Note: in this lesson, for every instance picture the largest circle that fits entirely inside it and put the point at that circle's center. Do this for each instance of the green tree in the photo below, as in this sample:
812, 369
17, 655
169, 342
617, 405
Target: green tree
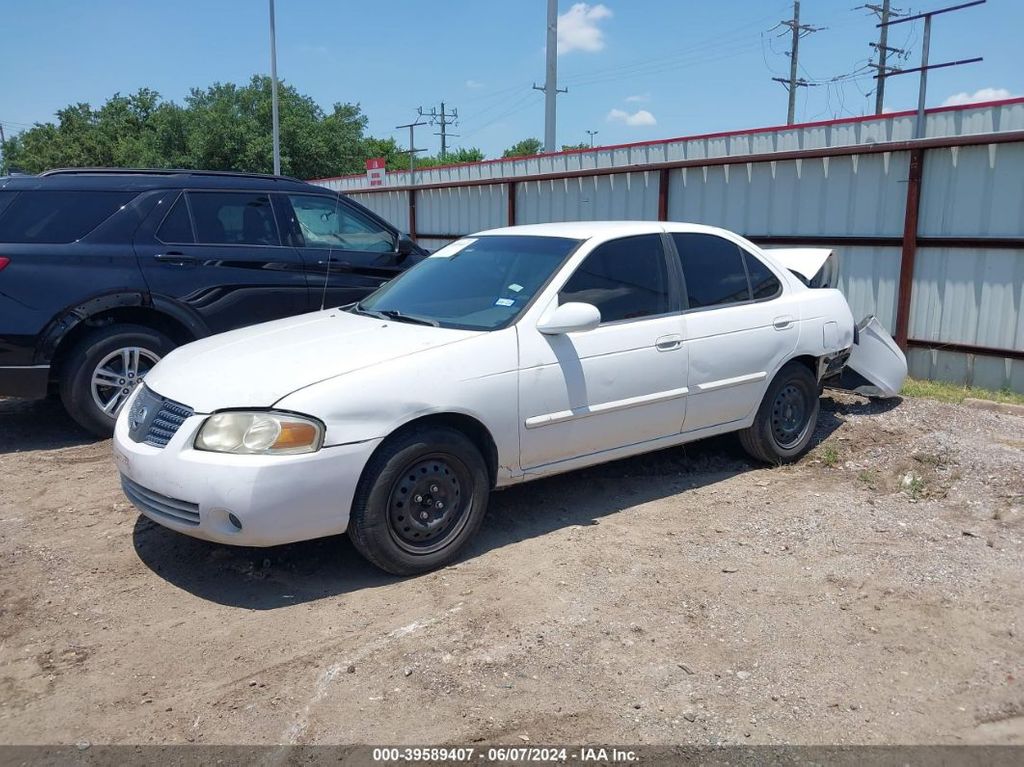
573, 147
221, 127
524, 148
452, 157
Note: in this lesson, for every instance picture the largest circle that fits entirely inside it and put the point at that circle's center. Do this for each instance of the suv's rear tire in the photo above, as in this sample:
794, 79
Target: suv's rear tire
96, 374
785, 421
396, 522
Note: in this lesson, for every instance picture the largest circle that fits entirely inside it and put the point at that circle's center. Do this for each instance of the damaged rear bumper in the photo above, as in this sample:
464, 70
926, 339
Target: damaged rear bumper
876, 366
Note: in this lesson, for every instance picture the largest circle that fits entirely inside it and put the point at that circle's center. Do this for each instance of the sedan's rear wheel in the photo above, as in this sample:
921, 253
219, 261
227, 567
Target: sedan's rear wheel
421, 498
785, 421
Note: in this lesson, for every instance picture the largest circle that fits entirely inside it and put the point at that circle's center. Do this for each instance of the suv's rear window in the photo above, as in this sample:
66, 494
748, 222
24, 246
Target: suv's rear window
53, 217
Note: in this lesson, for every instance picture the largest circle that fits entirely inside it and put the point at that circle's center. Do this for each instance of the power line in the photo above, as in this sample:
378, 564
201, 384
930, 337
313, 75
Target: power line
517, 106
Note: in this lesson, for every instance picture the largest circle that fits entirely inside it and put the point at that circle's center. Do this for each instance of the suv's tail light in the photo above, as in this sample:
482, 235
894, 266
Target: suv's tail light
4, 261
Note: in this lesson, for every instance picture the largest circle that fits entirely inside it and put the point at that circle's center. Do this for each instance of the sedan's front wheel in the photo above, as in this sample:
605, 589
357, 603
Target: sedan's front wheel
421, 498
785, 421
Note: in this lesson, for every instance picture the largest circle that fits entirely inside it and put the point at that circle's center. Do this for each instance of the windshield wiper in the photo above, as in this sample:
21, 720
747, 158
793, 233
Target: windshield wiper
394, 314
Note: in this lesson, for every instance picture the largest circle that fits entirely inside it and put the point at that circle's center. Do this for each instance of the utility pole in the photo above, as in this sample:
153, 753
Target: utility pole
550, 88
925, 66
442, 119
883, 11
592, 133
797, 30
411, 151
273, 93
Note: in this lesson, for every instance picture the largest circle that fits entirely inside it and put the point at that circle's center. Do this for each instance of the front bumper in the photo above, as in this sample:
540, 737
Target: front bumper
28, 381
276, 499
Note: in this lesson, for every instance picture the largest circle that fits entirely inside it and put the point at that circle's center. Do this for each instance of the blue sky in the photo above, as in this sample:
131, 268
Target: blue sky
635, 69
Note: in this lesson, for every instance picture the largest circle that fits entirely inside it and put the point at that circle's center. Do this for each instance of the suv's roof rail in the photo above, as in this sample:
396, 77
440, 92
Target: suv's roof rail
165, 172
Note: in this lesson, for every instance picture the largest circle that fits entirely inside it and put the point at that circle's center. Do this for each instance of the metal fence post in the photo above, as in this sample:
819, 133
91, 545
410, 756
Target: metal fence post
663, 194
909, 254
510, 193
412, 212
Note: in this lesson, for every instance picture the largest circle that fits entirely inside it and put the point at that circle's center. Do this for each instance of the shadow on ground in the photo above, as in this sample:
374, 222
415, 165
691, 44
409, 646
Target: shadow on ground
265, 579
38, 425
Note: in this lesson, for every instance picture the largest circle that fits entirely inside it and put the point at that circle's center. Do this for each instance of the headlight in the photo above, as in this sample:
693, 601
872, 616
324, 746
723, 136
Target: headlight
260, 434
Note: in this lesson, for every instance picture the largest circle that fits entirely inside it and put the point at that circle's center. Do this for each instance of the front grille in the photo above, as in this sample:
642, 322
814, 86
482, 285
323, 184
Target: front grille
153, 419
159, 505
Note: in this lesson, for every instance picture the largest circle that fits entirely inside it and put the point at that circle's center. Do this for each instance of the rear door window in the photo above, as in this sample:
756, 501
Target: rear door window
713, 270
177, 226
763, 282
233, 218
58, 216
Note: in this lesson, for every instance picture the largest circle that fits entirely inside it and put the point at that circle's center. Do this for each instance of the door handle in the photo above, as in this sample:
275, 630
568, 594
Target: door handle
335, 263
669, 342
176, 259
783, 322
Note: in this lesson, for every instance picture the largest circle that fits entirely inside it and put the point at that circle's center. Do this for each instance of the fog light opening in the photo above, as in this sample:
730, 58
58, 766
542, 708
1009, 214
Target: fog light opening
235, 521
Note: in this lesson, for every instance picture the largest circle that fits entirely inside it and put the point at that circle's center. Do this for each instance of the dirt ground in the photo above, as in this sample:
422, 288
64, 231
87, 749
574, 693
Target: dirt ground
871, 593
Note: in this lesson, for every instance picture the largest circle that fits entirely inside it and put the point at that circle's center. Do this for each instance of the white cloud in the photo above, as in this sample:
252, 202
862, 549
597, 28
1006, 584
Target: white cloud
578, 28
984, 94
474, 84
640, 98
639, 118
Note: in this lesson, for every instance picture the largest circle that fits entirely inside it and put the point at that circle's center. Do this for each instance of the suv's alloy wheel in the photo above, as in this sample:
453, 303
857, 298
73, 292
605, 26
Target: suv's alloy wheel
102, 370
117, 375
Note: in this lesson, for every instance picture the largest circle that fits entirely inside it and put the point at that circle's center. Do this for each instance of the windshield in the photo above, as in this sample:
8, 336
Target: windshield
480, 283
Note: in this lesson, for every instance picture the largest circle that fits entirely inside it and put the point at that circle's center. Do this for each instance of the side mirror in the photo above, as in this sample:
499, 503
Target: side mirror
405, 246
571, 317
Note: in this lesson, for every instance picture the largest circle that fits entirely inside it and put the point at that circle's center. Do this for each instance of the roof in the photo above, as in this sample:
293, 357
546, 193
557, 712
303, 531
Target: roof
132, 179
584, 230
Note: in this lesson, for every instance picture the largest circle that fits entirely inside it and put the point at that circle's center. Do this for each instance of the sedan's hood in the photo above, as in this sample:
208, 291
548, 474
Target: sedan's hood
258, 365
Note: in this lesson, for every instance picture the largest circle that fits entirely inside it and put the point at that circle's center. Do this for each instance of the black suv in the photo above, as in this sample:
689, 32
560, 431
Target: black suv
102, 272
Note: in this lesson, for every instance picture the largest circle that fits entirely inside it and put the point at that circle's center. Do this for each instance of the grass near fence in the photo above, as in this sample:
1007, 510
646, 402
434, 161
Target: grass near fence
948, 392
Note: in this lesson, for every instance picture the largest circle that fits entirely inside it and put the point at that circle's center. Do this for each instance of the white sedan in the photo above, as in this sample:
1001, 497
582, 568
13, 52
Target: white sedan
506, 356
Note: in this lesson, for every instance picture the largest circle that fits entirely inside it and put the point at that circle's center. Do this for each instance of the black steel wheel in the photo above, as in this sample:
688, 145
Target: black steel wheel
789, 415
784, 425
422, 496
427, 507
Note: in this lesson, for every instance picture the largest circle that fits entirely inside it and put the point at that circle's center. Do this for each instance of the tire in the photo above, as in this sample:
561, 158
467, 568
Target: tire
101, 355
409, 474
785, 421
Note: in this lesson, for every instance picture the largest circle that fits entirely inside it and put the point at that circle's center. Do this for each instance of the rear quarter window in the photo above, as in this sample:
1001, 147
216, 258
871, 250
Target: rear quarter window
57, 216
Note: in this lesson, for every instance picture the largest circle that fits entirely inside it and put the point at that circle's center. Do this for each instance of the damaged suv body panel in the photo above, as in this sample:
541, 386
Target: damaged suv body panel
877, 366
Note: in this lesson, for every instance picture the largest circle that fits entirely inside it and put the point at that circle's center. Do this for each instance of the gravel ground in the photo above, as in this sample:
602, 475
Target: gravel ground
871, 593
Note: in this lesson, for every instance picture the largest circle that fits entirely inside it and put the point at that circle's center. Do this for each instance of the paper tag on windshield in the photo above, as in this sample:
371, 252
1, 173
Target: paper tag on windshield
515, 287
452, 248
504, 302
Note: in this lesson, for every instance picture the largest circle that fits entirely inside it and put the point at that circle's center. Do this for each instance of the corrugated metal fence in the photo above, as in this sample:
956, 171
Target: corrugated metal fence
931, 231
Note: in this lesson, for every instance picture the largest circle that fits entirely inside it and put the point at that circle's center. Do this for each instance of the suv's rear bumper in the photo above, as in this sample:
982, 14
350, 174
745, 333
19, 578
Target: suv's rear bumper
28, 381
